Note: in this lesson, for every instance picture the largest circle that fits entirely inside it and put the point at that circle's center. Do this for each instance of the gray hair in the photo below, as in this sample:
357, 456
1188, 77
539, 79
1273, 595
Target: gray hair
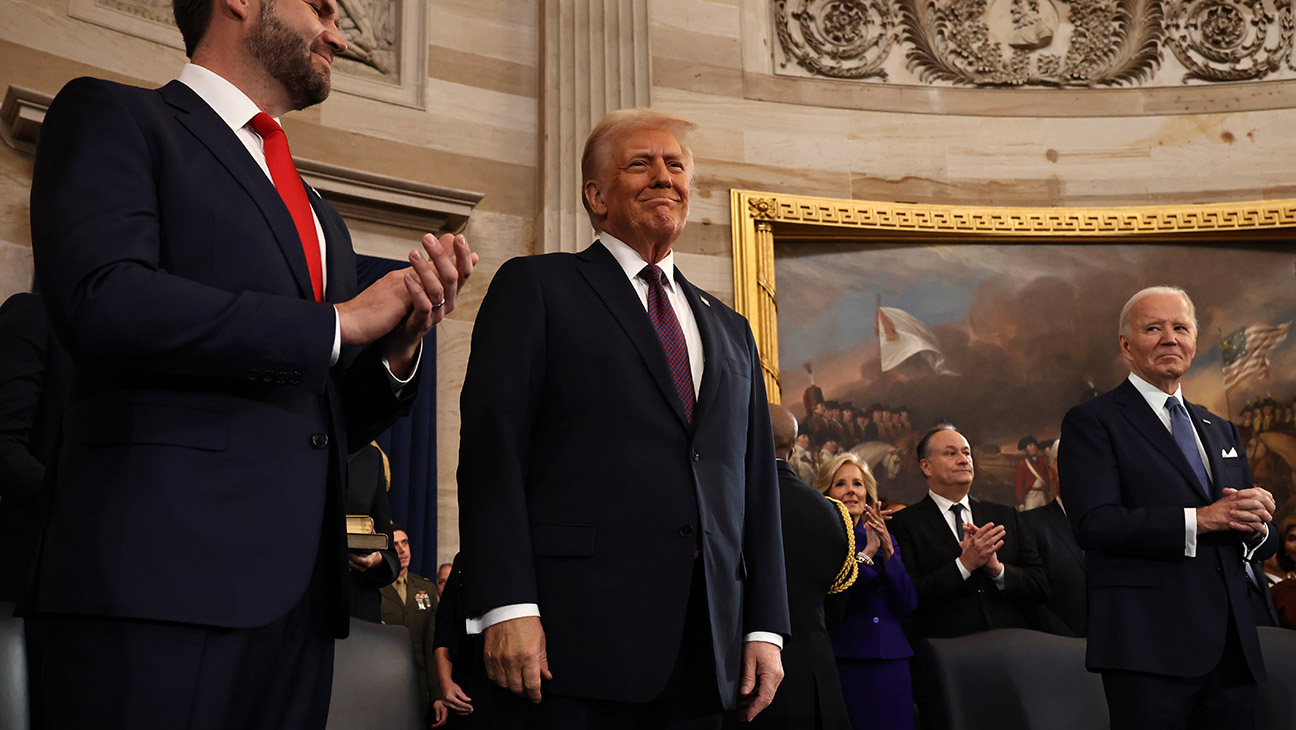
1124, 328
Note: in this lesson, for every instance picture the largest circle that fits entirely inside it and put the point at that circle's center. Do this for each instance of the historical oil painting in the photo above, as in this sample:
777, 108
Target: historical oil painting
878, 342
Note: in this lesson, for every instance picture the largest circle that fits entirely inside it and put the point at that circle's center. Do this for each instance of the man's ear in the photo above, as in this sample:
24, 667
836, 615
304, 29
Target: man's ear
594, 198
240, 9
926, 469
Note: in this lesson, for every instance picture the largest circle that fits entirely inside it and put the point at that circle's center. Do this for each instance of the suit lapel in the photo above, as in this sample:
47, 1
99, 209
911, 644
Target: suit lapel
1134, 408
608, 280
709, 327
211, 131
339, 259
1211, 443
937, 524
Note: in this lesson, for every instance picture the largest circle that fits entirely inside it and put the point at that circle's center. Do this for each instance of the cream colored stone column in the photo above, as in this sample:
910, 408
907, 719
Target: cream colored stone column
595, 60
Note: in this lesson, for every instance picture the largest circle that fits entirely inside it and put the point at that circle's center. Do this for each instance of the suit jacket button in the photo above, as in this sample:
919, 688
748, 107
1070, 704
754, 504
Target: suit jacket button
686, 530
695, 455
254, 374
875, 619
319, 440
295, 377
281, 378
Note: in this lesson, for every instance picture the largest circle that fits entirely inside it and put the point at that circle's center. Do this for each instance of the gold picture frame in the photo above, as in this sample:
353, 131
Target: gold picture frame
761, 218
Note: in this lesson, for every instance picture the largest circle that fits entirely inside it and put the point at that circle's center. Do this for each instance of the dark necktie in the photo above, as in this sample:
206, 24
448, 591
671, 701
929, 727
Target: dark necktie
957, 509
289, 185
1182, 429
668, 329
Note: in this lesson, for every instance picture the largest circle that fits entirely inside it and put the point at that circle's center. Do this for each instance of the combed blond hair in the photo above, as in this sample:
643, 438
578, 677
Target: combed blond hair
595, 158
828, 472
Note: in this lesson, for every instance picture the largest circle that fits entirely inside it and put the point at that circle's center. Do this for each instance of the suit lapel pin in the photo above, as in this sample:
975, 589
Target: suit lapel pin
704, 300
1206, 421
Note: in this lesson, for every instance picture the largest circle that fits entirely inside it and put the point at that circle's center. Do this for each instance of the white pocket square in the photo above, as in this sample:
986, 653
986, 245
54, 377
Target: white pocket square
1230, 454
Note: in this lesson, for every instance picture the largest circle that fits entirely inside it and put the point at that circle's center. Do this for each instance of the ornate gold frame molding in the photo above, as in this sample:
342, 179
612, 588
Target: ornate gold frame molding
759, 218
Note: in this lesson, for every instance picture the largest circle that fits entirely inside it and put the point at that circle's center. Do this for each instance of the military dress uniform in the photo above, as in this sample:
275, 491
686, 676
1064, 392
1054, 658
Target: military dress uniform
416, 611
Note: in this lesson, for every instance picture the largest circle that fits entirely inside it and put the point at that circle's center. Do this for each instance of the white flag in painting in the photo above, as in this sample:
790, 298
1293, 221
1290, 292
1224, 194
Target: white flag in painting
902, 335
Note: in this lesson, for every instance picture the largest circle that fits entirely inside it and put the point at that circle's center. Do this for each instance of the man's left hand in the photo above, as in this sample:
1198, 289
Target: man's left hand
364, 562
761, 675
433, 285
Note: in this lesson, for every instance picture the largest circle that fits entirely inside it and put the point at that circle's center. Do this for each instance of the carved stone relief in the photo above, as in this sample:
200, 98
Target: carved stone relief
1049, 43
386, 57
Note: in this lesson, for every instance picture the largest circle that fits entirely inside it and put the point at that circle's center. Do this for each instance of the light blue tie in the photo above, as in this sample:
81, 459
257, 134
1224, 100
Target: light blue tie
1182, 429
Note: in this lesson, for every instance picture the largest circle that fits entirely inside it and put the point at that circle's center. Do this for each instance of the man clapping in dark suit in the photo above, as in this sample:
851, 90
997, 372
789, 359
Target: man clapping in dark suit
1161, 499
193, 572
973, 563
618, 502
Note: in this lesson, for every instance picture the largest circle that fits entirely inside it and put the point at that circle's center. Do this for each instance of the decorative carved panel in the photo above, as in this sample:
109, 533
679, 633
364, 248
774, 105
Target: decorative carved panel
386, 58
1048, 43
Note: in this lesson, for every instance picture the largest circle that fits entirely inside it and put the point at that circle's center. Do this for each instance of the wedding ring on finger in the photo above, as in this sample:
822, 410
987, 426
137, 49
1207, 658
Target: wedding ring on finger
439, 304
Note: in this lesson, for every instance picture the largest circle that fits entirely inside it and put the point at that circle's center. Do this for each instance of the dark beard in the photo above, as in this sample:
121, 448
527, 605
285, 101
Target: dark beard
287, 58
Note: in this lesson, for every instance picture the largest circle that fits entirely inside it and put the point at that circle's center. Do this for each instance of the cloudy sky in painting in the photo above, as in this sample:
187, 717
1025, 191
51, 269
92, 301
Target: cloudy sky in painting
1029, 328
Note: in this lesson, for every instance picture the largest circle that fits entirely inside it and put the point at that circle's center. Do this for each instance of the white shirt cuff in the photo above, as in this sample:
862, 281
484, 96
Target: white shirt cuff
1190, 532
1249, 551
962, 571
337, 338
397, 384
478, 624
765, 636
999, 579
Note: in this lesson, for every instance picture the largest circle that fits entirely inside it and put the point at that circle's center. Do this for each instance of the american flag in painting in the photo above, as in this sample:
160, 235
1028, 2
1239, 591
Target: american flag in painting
1246, 351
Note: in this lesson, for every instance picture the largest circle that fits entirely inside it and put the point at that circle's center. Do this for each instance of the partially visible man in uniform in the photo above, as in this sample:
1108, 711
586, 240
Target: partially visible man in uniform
193, 570
1160, 497
621, 542
1034, 482
411, 601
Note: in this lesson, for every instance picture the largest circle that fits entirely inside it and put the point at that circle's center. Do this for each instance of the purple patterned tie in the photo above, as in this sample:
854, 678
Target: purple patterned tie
668, 329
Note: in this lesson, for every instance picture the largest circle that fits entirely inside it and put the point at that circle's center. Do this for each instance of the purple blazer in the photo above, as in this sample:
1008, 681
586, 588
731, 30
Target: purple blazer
879, 597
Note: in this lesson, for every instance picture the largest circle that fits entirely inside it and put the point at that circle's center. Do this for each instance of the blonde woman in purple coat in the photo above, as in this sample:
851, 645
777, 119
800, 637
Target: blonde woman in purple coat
870, 646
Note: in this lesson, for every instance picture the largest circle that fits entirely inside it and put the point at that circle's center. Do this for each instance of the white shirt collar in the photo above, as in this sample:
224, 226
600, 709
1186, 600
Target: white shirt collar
230, 104
944, 505
1155, 397
632, 263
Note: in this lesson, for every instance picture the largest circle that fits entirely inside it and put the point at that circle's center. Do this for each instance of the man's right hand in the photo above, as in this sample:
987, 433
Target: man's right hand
515, 656
375, 311
1245, 511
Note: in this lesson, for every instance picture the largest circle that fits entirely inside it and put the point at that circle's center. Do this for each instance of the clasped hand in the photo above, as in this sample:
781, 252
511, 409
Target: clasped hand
1246, 511
981, 547
405, 304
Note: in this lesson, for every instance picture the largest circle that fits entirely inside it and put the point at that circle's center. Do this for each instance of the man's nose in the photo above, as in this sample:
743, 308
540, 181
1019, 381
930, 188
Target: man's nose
661, 175
334, 38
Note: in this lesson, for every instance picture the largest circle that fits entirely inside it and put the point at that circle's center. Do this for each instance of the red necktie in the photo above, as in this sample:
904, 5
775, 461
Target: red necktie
668, 329
289, 185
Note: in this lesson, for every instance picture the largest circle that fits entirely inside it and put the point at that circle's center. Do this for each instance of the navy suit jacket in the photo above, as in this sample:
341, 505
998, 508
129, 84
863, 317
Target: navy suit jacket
583, 489
1126, 484
948, 605
205, 427
1066, 612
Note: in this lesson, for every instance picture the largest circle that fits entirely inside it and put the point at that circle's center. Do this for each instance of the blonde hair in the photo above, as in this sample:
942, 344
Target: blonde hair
828, 472
616, 123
